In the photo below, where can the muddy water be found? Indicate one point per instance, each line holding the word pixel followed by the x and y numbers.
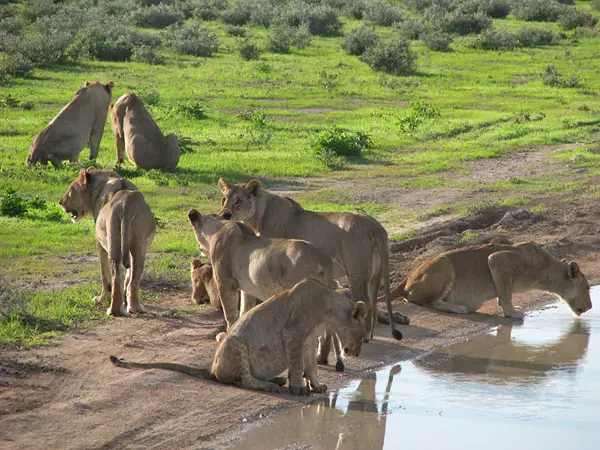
pixel 534 386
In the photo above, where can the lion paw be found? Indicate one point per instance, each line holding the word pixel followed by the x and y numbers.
pixel 400 318
pixel 339 366
pixel 319 388
pixel 116 312
pixel 299 390
pixel 219 337
pixel 137 309
pixel 322 360
pixel 273 388
pixel 515 313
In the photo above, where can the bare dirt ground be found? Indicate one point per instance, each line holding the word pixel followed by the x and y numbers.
pixel 68 395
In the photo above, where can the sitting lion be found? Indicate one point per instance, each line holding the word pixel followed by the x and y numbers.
pixel 137 132
pixel 78 123
pixel 204 288
pixel 356 243
pixel 279 334
pixel 459 281
pixel 125 228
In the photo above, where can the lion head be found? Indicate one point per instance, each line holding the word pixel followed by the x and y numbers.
pixel 352 333
pixel 576 290
pixel 204 288
pixel 239 201
pixel 77 201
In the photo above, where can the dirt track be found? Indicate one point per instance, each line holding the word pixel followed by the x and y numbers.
pixel 69 396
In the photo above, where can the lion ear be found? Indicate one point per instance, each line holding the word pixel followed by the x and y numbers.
pixel 83 176
pixel 86 84
pixel 254 186
pixel 359 311
pixel 196 263
pixel 224 185
pixel 573 270
pixel 110 85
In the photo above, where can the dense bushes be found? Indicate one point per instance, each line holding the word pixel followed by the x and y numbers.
pixel 551 77
pixel 572 18
pixel 524 37
pixel 395 58
pixel 159 16
pixel 193 39
pixel 324 21
pixel 537 10
pixel 357 42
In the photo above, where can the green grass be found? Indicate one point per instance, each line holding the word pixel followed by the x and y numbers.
pixel 491 103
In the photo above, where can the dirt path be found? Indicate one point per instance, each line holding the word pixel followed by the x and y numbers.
pixel 68 395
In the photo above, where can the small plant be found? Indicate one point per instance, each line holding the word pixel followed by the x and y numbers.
pixel 192 109
pixel 359 40
pixel 264 67
pixel 146 54
pixel 150 96
pixel 8 101
pixel 468 236
pixel 342 142
pixel 329 81
pixel 260 128
pixel 395 58
pixel 420 112
pixel 355 8
pixel 596 5
pixel 207 9
pixel 551 77
pixel 185 144
pixel 438 42
pixel 236 31
pixel 330 159
pixel 249 51
pixel 12 205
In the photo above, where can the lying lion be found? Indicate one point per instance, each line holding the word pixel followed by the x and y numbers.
pixel 279 334
pixel 356 243
pixel 459 281
pixel 79 122
pixel 137 133
pixel 125 228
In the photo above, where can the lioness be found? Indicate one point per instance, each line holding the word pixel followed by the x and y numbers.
pixel 279 334
pixel 79 122
pixel 204 288
pixel 137 132
pixel 357 243
pixel 125 228
pixel 459 281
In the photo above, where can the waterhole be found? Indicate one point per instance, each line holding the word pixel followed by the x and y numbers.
pixel 530 386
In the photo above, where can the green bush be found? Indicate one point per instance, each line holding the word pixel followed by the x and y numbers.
pixel 359 39
pixel 193 39
pixel 13 205
pixel 395 58
pixel 412 28
pixel 236 31
pixel 249 51
pixel 238 14
pixel 324 21
pixel 146 54
pixel 465 23
pixel 380 13
pixel 438 42
pixel 192 110
pixel 39 50
pixel 282 37
pixel 14 66
pixel 355 8
pixel 333 146
pixel 535 37
pixel 207 9
pixel 497 9
pixel 157 16
pixel 262 13
pixel 495 40
pixel 537 10
pixel 596 5
pixel 572 17
pixel 149 96
pixel 294 13
pixel 420 112
pixel 551 77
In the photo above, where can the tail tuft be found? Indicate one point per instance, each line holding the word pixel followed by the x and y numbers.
pixel 114 359
pixel 397 334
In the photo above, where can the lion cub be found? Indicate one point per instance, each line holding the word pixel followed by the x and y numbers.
pixel 459 281
pixel 204 288
pixel 125 228
pixel 79 122
pixel 279 334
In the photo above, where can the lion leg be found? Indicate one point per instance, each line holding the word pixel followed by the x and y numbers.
pixel 57 163
pixel 95 138
pixel 229 301
pixel 339 353
pixel 247 302
pixel 104 275
pixel 310 370
pixel 324 348
pixel 295 356
pixel 503 281
pixel 116 306
pixel 134 302
pixel 235 352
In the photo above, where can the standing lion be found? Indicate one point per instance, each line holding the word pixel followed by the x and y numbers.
pixel 125 227
pixel 137 132
pixel 78 123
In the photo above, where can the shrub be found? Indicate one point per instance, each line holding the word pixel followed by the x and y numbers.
pixel 357 42
pixel 249 51
pixel 283 36
pixel 381 13
pixel 149 96
pixel 537 10
pixel 329 81
pixel 13 205
pixel 260 129
pixel 301 37
pixel 497 9
pixel 12 24
pixel 438 42
pixel 341 142
pixel 573 17
pixel 262 13
pixel 192 109
pixel 465 23
pixel 324 21
pixel 412 28
pixel 157 16
pixel 207 9
pixel 146 54
pixel 237 14
pixel 495 40
pixel 193 39
pixel 596 5
pixel 551 77
pixel 535 37
pixel 39 50
pixel 14 66
pixel 355 8
pixel 236 31
pixel 420 111
pixel 395 58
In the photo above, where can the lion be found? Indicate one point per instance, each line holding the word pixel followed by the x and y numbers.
pixel 279 334
pixel 355 242
pixel 137 133
pixel 81 121
pixel 125 228
pixel 459 281
pixel 204 288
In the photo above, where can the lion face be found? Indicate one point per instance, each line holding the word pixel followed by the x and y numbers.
pixel 239 201
pixel 352 334
pixel 202 274
pixel 76 200
pixel 576 290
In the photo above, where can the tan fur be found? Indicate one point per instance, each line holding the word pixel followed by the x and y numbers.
pixel 204 288
pixel 461 280
pixel 357 243
pixel 81 121
pixel 280 334
pixel 137 133
pixel 256 265
pixel 125 228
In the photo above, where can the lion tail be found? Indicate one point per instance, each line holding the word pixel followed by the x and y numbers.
pixel 181 368
pixel 125 237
